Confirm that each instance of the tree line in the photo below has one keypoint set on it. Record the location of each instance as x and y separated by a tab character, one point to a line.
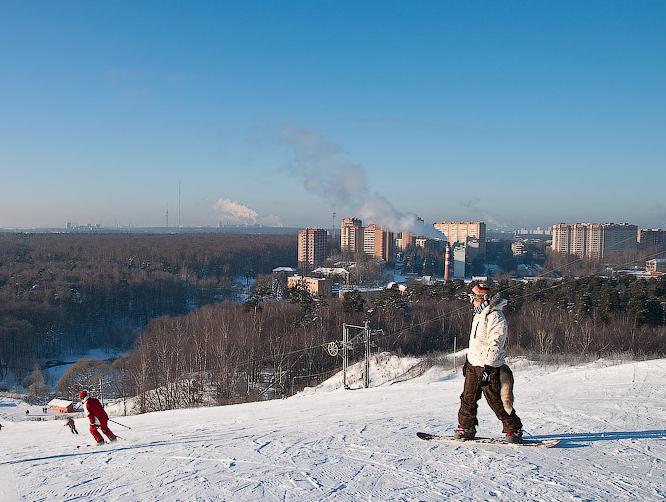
230	352
63	293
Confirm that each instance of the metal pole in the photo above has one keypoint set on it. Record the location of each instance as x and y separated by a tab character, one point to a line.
344	355
455	342
366	377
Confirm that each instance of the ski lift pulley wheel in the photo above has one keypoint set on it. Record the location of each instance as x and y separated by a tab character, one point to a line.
333	348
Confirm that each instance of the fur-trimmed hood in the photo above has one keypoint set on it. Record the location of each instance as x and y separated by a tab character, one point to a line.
495	303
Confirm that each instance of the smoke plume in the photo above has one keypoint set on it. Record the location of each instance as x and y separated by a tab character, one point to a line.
236	212
327	173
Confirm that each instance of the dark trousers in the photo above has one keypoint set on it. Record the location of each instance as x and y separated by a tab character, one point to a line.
472	393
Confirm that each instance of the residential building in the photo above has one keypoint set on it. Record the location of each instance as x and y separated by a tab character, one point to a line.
312	247
406	240
652	239
533	231
517	248
61	405
369	234
593	240
351	235
314	285
656	265
384	245
460	231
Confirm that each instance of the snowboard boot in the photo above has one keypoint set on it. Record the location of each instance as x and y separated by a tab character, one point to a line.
464	434
514	437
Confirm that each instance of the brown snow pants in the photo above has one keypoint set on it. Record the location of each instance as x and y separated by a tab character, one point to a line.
472	393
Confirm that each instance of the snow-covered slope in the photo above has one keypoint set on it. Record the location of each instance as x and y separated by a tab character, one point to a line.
361	445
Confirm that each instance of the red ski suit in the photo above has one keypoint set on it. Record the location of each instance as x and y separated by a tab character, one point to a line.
98	418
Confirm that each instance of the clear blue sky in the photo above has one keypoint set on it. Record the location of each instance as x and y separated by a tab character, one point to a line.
518	112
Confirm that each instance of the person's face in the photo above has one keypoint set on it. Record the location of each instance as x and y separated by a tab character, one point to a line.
476	299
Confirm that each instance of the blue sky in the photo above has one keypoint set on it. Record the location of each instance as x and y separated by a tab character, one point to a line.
520	113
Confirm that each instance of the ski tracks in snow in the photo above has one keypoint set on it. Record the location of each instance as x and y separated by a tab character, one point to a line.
351	446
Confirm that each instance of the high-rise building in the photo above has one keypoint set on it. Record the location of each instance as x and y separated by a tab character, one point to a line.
593	240
369	234
312	247
652	239
460	231
407	239
459	255
384	245
351	235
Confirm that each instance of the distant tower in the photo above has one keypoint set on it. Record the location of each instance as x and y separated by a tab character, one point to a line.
178	203
167	216
333	227
447	258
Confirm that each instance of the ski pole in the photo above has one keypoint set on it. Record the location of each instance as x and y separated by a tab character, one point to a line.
126	427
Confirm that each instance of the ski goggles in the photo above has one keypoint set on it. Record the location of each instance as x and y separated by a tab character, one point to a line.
474	297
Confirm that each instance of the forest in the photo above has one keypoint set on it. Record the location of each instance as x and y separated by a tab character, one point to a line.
64	293
227	350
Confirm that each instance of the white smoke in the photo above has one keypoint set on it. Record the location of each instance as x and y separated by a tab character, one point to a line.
326	172
236	212
232	211
477	211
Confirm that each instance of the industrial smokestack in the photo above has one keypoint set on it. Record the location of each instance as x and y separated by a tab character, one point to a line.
447	254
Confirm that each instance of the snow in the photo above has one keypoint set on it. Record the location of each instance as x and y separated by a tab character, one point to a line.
334	444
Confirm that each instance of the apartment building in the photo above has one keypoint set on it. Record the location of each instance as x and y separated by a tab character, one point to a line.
384	245
652	239
593	240
312	247
313	285
351	235
460	231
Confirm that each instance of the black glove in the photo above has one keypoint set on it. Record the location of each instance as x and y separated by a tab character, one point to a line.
487	375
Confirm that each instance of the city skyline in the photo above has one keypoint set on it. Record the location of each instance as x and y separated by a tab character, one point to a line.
519	115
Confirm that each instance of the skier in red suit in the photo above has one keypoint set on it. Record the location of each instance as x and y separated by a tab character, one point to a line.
97	416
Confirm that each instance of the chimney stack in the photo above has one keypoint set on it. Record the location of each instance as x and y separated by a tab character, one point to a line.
447	254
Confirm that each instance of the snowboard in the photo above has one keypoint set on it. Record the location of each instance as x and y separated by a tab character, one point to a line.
546	443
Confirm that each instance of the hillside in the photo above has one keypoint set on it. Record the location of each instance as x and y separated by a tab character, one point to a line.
360	444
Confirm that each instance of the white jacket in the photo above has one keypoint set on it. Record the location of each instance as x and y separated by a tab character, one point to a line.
488	336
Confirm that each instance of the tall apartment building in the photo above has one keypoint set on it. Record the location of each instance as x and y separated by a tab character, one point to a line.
652	238
312	247
460	231
593	240
351	235
406	240
369	234
384	245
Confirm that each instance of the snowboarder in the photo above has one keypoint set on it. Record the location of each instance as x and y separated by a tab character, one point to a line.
97	416
485	371
72	425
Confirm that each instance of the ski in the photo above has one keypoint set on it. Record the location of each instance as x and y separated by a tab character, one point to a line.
546	443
